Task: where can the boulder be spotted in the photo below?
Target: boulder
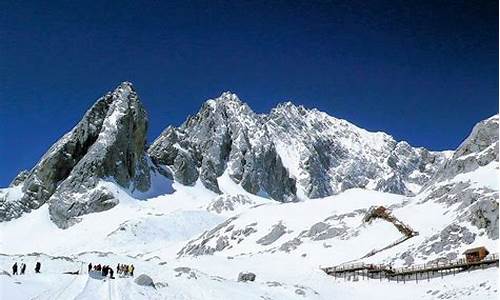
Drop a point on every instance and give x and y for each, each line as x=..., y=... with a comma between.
x=144, y=280
x=246, y=276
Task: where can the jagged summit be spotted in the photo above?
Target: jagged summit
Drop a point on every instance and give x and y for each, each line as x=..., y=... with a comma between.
x=228, y=104
x=317, y=155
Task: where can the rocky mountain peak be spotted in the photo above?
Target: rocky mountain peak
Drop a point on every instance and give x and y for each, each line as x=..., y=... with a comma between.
x=320, y=154
x=107, y=144
x=483, y=135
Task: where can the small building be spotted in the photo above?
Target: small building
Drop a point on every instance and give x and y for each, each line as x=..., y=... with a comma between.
x=476, y=254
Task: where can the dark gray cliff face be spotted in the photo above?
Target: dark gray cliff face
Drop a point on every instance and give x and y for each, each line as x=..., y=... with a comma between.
x=292, y=151
x=108, y=143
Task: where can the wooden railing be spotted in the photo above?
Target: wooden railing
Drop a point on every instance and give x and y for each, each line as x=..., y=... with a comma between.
x=370, y=268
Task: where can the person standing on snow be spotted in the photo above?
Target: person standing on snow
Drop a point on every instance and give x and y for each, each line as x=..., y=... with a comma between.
x=38, y=266
x=23, y=268
x=14, y=269
x=90, y=267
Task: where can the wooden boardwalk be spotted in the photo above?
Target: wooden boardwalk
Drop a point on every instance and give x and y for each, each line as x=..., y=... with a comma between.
x=423, y=271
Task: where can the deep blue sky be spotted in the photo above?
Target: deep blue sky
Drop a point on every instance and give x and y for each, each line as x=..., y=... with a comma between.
x=421, y=71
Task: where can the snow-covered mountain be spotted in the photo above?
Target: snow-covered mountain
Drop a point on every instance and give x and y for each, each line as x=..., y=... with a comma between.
x=231, y=191
x=293, y=151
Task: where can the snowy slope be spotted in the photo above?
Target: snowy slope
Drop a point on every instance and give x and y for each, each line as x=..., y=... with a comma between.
x=150, y=234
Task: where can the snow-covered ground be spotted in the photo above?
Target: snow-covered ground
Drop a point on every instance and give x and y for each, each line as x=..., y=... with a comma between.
x=285, y=247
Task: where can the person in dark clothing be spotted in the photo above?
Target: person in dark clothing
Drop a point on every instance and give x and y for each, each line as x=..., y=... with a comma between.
x=90, y=267
x=118, y=269
x=14, y=269
x=111, y=273
x=23, y=268
x=38, y=266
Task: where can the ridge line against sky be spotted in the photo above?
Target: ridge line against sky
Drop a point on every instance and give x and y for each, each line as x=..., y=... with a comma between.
x=422, y=71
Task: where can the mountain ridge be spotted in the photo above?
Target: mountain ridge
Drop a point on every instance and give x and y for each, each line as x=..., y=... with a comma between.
x=292, y=153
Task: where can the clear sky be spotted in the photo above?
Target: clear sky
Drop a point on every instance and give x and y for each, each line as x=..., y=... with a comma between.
x=422, y=71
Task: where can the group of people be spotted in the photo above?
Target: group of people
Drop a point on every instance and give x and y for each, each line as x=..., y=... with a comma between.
x=122, y=269
x=125, y=270
x=16, y=270
x=105, y=270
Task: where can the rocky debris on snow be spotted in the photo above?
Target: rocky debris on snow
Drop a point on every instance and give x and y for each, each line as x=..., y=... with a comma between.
x=246, y=276
x=477, y=205
x=484, y=215
x=224, y=203
x=144, y=280
x=160, y=285
x=218, y=239
x=276, y=232
x=323, y=231
x=445, y=245
x=449, y=239
x=190, y=273
x=290, y=245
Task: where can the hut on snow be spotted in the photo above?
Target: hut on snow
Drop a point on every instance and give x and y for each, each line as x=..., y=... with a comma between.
x=476, y=254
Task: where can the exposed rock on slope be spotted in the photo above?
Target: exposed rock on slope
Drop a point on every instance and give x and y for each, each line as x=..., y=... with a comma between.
x=477, y=150
x=108, y=143
x=452, y=185
x=466, y=188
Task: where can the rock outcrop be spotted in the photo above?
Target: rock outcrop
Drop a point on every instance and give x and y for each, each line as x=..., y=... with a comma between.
x=144, y=280
x=246, y=276
x=477, y=150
